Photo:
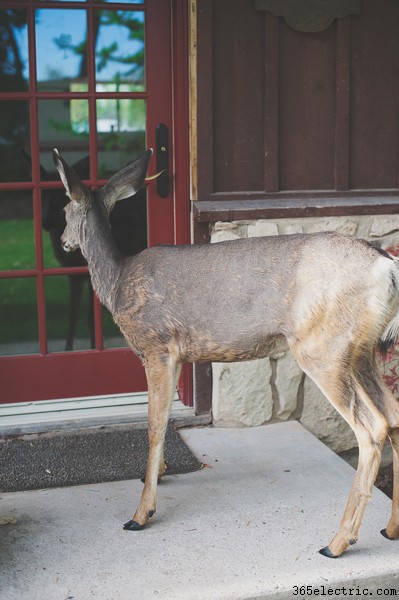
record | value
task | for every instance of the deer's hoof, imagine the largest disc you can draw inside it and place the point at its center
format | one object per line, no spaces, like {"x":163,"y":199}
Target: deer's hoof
{"x":385,"y":534}
{"x":327,"y":552}
{"x":133,"y":526}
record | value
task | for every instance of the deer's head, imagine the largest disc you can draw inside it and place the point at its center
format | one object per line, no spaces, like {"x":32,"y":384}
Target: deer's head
{"x":125,"y":183}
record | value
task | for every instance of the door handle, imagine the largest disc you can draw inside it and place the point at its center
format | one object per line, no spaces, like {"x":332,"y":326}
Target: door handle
{"x":162,"y":159}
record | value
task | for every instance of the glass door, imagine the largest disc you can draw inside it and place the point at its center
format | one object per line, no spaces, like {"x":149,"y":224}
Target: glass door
{"x":94,"y":80}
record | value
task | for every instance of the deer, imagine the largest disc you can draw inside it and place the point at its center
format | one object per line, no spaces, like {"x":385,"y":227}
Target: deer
{"x":332,"y":299}
{"x":129,"y":228}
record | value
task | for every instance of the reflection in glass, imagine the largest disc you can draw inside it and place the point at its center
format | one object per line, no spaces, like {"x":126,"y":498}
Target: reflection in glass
{"x":69,"y":313}
{"x":120,"y":51}
{"x":61,"y":49}
{"x":14,"y":141}
{"x":17,"y":249}
{"x":129,"y":228}
{"x":120,"y":133}
{"x":53,"y":221}
{"x":14,"y":66}
{"x":18,"y":317}
{"x":63,"y":124}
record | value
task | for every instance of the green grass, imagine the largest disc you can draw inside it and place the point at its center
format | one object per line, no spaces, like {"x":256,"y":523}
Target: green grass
{"x":17,"y":249}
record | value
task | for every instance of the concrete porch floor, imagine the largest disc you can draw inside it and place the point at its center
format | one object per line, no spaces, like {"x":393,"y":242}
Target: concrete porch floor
{"x":247,"y":526}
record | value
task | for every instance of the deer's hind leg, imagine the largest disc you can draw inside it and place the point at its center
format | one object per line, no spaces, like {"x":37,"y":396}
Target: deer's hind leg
{"x":391,"y":412}
{"x":353,"y":387}
{"x":162,"y":376}
{"x":391,"y":531}
{"x":389,"y":407}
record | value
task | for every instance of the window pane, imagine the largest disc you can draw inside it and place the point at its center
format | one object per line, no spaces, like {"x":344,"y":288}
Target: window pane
{"x":63,"y":124}
{"x":69,"y":312}
{"x":120,"y":133}
{"x":14,"y":66}
{"x":18,"y":317}
{"x":120,"y":51}
{"x":61,"y":50}
{"x":17,"y":249}
{"x":14,"y":141}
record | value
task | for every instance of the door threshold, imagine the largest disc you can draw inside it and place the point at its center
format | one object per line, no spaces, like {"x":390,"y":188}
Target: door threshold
{"x":72,"y":413}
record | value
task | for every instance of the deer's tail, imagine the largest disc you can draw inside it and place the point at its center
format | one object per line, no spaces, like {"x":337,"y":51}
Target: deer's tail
{"x":391,"y":334}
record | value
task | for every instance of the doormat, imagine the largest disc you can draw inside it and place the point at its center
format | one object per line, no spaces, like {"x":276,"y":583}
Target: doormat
{"x":76,"y":458}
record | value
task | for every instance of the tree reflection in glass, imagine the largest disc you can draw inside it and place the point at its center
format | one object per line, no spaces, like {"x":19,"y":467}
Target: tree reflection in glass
{"x":14,"y":65}
{"x":61,"y":50}
{"x":120,"y":51}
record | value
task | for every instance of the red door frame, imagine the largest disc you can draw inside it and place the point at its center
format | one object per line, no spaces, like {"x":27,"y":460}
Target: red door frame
{"x":33,"y":377}
{"x":180,"y":78}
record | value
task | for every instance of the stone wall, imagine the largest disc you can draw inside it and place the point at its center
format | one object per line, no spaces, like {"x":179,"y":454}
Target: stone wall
{"x":272,"y":390}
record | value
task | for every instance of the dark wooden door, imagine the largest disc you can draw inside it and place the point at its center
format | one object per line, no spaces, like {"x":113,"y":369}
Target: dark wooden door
{"x":93,"y":79}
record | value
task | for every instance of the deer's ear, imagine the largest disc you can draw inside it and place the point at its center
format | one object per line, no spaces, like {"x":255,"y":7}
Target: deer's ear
{"x":75,"y":189}
{"x":126,"y":182}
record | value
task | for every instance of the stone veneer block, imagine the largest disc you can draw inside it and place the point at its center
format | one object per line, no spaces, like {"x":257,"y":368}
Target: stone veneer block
{"x":223,"y":234}
{"x":384,"y":226}
{"x":241,"y":393}
{"x":345,"y":226}
{"x":262,"y":227}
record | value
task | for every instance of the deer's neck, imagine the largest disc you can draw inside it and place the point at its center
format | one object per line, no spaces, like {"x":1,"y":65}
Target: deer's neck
{"x":103,"y":258}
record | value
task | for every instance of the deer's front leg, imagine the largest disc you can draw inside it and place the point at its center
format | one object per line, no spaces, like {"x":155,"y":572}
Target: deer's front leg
{"x":162,"y":379}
